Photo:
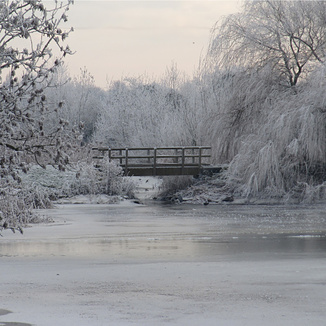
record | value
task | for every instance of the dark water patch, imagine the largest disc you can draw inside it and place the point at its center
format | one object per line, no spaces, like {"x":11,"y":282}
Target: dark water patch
{"x":258,"y":245}
{"x":4,"y":312}
{"x":3,"y":323}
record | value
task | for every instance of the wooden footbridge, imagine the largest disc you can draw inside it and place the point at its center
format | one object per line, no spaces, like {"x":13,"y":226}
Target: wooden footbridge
{"x":156,"y":161}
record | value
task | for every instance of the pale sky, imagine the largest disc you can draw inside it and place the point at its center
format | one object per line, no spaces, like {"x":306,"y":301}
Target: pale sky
{"x":115,"y":39}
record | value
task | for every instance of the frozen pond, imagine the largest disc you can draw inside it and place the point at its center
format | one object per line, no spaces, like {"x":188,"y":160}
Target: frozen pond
{"x":182,"y":232}
{"x":167,"y":265}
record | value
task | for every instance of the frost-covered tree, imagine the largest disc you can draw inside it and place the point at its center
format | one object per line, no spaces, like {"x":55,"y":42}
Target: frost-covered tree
{"x":81,"y":100}
{"x":135,"y":114}
{"x":236,"y":102}
{"x":285,"y":156}
{"x":143,"y":112}
{"x":288,"y":36}
{"x":88,"y":101}
{"x":32,"y":44}
{"x":264,"y":79}
{"x":186,"y":115}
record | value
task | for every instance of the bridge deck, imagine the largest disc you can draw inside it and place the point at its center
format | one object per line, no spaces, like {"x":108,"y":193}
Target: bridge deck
{"x":157,"y":161}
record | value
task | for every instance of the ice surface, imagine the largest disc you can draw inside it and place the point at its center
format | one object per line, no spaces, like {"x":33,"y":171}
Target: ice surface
{"x":128,"y":264}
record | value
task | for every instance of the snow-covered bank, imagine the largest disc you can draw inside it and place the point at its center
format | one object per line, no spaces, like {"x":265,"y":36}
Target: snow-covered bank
{"x":90,"y":199}
{"x":208,"y":190}
{"x":217,"y":190}
{"x":203,"y":191}
{"x":144,"y":188}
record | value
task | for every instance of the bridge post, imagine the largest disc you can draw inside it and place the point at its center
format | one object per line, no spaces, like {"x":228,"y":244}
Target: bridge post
{"x":183,"y":160}
{"x":148,"y":154}
{"x":120,"y":154}
{"x":199,"y":158}
{"x":176,"y":160}
{"x":126,"y":166}
{"x":154,"y":162}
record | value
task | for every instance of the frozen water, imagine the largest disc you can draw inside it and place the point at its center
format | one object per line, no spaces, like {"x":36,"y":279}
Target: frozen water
{"x":127,"y":264}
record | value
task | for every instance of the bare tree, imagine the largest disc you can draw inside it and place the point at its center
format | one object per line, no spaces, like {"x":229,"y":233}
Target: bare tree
{"x":289,"y":36}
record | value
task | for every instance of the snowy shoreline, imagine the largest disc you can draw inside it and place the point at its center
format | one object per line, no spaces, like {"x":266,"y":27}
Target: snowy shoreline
{"x":209,"y":191}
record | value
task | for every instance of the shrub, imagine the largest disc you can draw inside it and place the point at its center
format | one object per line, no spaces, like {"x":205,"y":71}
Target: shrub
{"x":39,"y":187}
{"x":171,"y":185}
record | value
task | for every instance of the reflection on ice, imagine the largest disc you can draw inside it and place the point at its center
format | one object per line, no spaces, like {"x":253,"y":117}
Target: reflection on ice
{"x":183,"y":232}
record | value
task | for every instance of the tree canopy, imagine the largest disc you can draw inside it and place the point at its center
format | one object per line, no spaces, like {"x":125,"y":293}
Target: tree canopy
{"x":287,"y":36}
{"x":32,"y":44}
{"x":27,"y":32}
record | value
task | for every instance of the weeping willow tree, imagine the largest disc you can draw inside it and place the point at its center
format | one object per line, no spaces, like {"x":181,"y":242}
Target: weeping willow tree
{"x":286,"y":156}
{"x":288,"y":36}
{"x":269,"y":121}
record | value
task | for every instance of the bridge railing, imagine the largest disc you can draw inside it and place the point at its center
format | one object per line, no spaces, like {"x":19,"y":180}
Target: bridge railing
{"x":157,"y":160}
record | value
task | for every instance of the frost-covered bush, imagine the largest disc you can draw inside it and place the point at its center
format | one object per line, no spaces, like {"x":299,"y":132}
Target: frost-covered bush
{"x":40,"y":187}
{"x":16,"y":210}
{"x":172,"y":184}
{"x":17,"y":204}
{"x":107,"y":179}
{"x":13,"y":213}
{"x":83,"y":178}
